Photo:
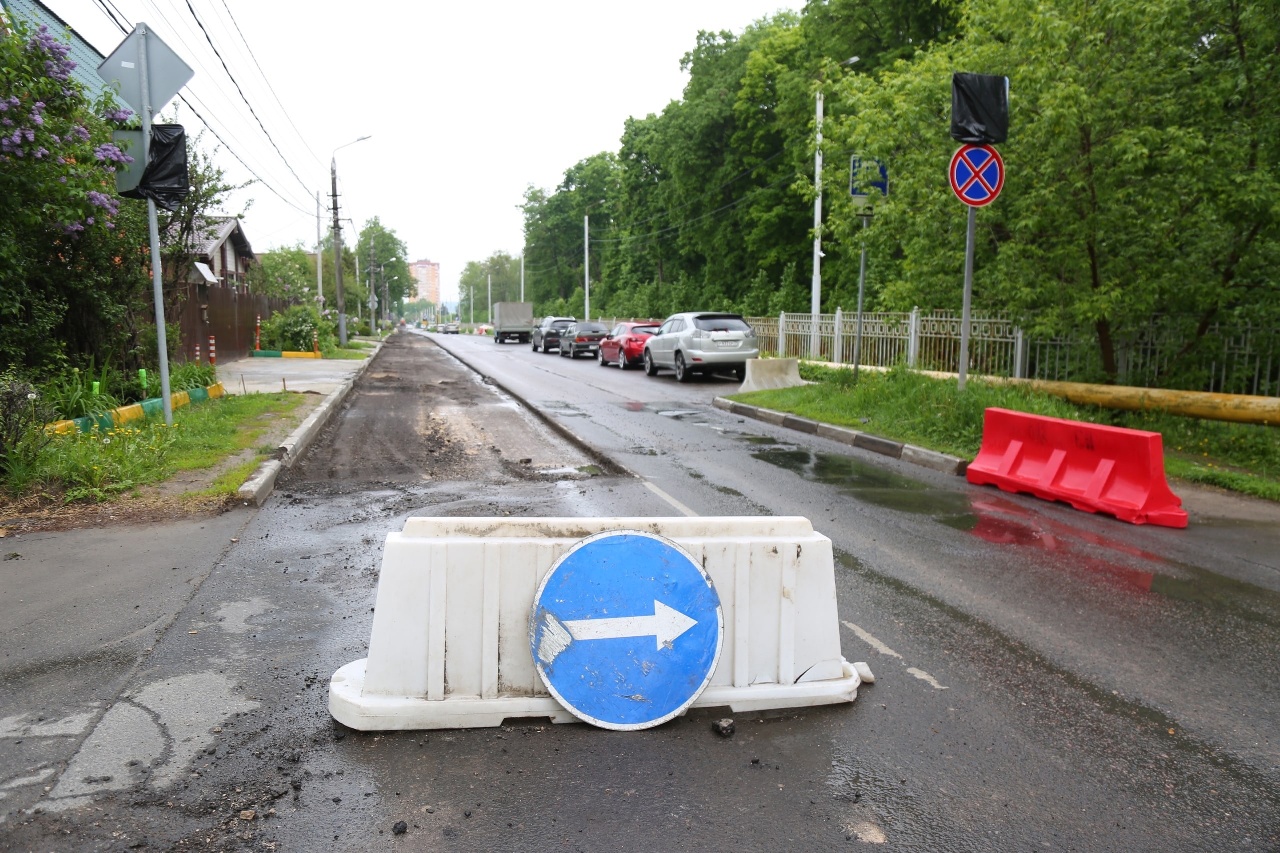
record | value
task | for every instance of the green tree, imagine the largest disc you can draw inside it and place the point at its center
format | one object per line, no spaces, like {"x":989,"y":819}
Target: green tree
{"x":288,"y":273}
{"x":66,"y":271}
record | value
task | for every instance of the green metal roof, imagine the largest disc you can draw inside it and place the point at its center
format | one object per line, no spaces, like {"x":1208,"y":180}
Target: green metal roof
{"x":85,"y":57}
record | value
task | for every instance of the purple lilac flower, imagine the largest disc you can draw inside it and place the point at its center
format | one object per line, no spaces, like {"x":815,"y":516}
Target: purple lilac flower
{"x":81,"y":133}
{"x":118,"y":115}
{"x":104,"y":201}
{"x":109,"y":151}
{"x":41,"y":153}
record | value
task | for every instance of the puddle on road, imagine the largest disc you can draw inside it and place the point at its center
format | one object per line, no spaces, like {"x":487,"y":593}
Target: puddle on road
{"x":995,"y":519}
{"x":865,"y":481}
{"x":675,"y":411}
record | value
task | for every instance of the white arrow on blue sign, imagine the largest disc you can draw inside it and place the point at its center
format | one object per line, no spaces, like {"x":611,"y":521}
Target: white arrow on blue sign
{"x":626,"y":630}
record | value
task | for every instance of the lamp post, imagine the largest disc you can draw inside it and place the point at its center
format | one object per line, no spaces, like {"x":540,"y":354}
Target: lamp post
{"x":337,"y":242}
{"x":586,"y":259}
{"x":319,"y":265}
{"x":815,"y":293}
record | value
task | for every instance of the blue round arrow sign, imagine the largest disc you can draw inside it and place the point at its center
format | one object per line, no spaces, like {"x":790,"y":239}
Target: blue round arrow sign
{"x":626,"y":630}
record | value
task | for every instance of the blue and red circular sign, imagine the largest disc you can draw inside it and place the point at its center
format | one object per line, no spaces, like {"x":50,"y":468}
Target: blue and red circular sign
{"x":977,"y":174}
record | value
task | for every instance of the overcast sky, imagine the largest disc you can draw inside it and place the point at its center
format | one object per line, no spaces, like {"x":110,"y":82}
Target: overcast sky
{"x":466,"y":104}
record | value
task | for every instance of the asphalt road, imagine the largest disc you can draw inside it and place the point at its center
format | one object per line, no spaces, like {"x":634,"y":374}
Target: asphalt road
{"x":1046,"y":679}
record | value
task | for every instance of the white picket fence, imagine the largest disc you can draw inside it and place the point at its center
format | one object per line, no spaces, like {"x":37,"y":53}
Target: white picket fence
{"x":1247,"y":360}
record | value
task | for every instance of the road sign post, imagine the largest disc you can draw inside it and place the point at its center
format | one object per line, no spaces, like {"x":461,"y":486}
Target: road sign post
{"x":626,"y":630}
{"x":863,"y":204}
{"x":148,"y":74}
{"x":977,"y":176}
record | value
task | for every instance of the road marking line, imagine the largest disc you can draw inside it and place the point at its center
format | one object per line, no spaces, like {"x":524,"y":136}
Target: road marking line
{"x":885,"y":650}
{"x":666,"y":497}
{"x":872,"y":641}
{"x":924,"y":676}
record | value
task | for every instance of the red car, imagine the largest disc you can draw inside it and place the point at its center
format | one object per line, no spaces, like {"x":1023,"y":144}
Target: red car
{"x":624,"y":345}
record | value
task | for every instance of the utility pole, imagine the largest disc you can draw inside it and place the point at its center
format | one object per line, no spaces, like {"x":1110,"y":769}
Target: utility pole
{"x":386,"y":294}
{"x":522,"y":278}
{"x":319,"y":260}
{"x":373,"y":300}
{"x":586,"y":267}
{"x":815,"y":294}
{"x":337,"y":258}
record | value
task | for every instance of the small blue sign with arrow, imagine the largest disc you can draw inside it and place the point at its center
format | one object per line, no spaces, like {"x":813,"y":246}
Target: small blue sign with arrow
{"x":626,"y":630}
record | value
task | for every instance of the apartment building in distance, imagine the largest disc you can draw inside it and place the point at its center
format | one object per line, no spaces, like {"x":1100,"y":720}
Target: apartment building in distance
{"x":427,"y":276}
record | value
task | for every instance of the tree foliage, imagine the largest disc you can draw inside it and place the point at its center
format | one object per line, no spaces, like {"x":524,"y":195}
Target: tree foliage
{"x":1141,"y":170}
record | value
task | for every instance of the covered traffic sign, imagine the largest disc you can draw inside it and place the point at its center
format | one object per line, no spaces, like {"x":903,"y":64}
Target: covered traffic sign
{"x":977,"y":174}
{"x":626,"y":630}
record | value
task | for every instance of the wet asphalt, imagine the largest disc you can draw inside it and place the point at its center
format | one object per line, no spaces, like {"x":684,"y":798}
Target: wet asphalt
{"x":1046,"y":680}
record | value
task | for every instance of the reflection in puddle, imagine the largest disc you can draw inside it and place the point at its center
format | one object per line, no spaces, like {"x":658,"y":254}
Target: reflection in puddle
{"x":865,"y":481}
{"x":1000,"y":521}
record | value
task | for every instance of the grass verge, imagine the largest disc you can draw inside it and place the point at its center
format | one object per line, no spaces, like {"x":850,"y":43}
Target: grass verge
{"x":98,"y":466}
{"x":905,"y":406}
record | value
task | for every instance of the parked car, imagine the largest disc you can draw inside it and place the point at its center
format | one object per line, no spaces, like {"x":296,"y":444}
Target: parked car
{"x":701,"y":342}
{"x":582,"y":338}
{"x":451,"y":329}
{"x":624,"y":345}
{"x":546,"y":334}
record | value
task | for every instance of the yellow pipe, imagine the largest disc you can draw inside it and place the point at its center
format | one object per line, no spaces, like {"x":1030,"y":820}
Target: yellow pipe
{"x":1238,"y":408}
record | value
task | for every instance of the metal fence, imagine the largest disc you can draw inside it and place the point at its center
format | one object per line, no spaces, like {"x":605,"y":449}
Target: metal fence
{"x":1239,"y":358}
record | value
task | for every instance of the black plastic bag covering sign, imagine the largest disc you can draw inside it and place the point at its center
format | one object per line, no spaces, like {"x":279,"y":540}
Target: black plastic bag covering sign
{"x":165,"y":180}
{"x":979,"y":108}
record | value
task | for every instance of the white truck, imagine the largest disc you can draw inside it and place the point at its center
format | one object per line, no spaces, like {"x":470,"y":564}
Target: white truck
{"x":512,"y":321}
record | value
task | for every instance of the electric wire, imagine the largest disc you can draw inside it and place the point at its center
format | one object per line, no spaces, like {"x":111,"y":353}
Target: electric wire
{"x":236,"y":83}
{"x":107,"y":6}
{"x":245,"y":42}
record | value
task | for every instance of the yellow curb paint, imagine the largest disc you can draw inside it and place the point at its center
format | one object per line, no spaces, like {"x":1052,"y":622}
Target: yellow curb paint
{"x":299,"y":355}
{"x":61,"y":427}
{"x":180,"y":399}
{"x":127,"y":414}
{"x":216,"y":391}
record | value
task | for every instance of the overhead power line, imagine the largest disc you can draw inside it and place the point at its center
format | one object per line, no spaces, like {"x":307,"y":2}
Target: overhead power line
{"x":113,"y":13}
{"x":236,"y":83}
{"x":245,"y":42}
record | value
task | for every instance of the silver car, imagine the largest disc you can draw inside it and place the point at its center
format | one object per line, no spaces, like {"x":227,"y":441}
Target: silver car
{"x":701,"y":342}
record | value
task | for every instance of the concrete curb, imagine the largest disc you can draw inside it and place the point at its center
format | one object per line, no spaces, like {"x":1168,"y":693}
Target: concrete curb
{"x":258,"y":487}
{"x":921,"y":456}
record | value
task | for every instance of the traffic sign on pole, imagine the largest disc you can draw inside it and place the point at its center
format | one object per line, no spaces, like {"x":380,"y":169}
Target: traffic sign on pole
{"x":626,"y":630}
{"x":977,"y":174}
{"x":166,"y":72}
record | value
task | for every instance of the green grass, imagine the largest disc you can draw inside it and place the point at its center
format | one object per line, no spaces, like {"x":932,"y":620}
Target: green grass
{"x":352,"y":352}
{"x":97,"y":466}
{"x":915,"y":409}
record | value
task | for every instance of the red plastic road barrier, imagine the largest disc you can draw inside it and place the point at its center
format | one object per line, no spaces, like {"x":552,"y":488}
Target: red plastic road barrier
{"x":1094,"y":468}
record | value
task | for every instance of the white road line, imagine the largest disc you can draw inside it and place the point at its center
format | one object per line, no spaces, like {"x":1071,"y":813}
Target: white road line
{"x":666,"y":497}
{"x":924,"y":676}
{"x":885,"y":650}
{"x":872,"y":641}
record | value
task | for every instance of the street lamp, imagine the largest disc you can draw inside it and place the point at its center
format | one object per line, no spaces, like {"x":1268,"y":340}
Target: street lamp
{"x":337,"y":242}
{"x":586,"y":260}
{"x":815,"y":294}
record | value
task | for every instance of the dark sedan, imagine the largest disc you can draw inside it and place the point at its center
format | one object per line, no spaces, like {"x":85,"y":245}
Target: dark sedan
{"x":624,"y":345}
{"x":582,"y":338}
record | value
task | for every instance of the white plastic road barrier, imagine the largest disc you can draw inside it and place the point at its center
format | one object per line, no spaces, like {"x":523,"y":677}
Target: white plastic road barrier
{"x":766,"y":374}
{"x":450,"y":643}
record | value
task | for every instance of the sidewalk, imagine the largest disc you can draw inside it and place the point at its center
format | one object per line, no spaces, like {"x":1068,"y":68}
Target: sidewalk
{"x":306,"y":375}
{"x":333,"y":378}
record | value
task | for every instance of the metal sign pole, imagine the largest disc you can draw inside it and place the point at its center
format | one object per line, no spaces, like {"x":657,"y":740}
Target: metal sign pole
{"x":862,"y":279}
{"x":153,"y":230}
{"x":968,"y":293}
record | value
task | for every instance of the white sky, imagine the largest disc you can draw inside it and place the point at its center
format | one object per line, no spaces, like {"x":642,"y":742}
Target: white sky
{"x":466,"y":103}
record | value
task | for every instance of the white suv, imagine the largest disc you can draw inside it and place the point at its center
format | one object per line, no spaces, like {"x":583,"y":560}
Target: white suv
{"x":701,"y":342}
